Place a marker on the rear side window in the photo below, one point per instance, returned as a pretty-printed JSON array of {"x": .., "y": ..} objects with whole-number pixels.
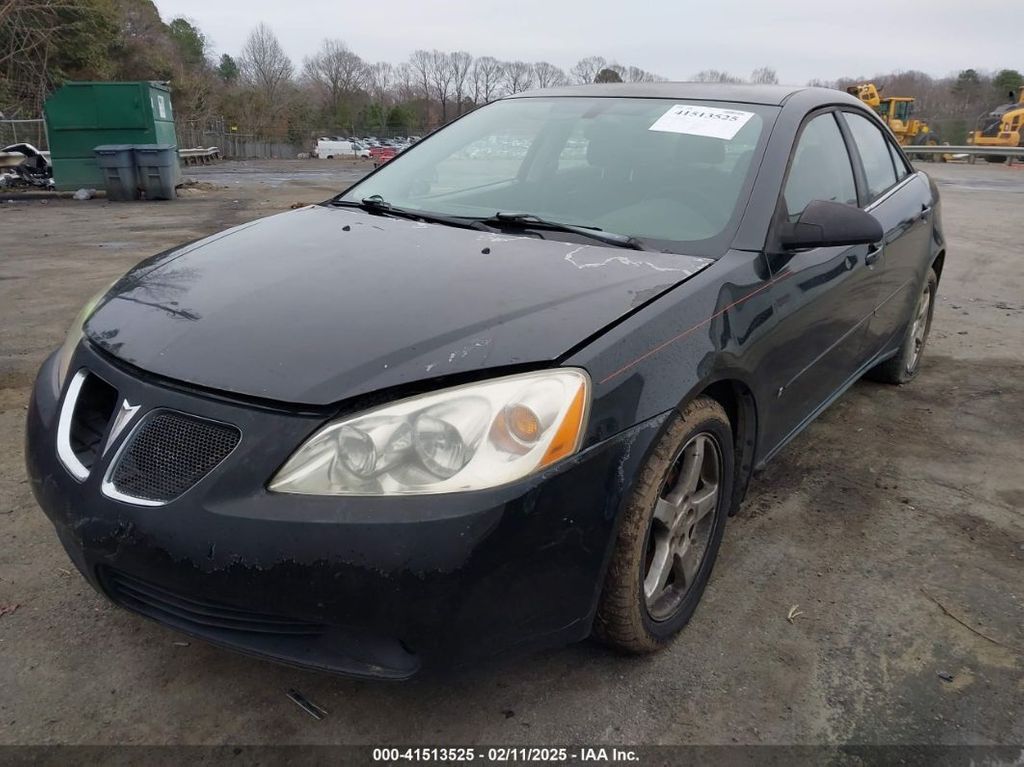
[
  {"x": 874, "y": 154},
  {"x": 902, "y": 171},
  {"x": 820, "y": 169}
]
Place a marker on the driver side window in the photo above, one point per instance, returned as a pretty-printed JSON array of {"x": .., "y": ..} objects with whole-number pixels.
[{"x": 820, "y": 168}]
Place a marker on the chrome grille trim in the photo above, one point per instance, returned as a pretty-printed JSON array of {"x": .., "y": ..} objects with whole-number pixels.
[
  {"x": 67, "y": 411},
  {"x": 109, "y": 487}
]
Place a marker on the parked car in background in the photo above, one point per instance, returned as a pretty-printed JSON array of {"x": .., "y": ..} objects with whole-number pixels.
[
  {"x": 382, "y": 154},
  {"x": 502, "y": 393}
]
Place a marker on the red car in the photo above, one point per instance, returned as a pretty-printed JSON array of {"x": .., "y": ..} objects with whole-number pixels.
[{"x": 381, "y": 154}]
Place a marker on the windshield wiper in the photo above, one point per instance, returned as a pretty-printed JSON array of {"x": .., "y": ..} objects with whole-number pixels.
[
  {"x": 377, "y": 204},
  {"x": 531, "y": 221}
]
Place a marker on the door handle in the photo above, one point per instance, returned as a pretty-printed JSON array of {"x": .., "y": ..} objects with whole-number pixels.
[
  {"x": 874, "y": 253},
  {"x": 921, "y": 215}
]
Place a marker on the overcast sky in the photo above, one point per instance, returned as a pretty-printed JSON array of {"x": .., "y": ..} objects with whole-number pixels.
[{"x": 801, "y": 39}]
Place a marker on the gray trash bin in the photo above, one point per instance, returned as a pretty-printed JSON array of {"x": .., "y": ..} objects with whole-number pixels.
[
  {"x": 117, "y": 163},
  {"x": 158, "y": 170}
]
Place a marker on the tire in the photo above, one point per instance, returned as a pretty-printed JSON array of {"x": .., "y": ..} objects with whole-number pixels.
[
  {"x": 928, "y": 139},
  {"x": 904, "y": 366},
  {"x": 995, "y": 158},
  {"x": 669, "y": 518}
]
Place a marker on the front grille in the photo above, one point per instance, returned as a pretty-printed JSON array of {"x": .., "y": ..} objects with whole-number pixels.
[
  {"x": 168, "y": 453},
  {"x": 195, "y": 615},
  {"x": 93, "y": 410}
]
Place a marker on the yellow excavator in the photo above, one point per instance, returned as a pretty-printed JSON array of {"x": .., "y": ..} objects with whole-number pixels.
[
  {"x": 1003, "y": 126},
  {"x": 897, "y": 112}
]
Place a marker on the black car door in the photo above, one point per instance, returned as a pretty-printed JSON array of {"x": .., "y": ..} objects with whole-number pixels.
[
  {"x": 822, "y": 298},
  {"x": 901, "y": 201}
]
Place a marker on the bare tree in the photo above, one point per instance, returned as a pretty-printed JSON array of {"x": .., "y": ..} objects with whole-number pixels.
[
  {"x": 460, "y": 63},
  {"x": 405, "y": 83},
  {"x": 714, "y": 76},
  {"x": 420, "y": 64},
  {"x": 379, "y": 77},
  {"x": 548, "y": 75},
  {"x": 336, "y": 73},
  {"x": 638, "y": 75},
  {"x": 441, "y": 76},
  {"x": 267, "y": 72},
  {"x": 518, "y": 76},
  {"x": 486, "y": 76},
  {"x": 585, "y": 70},
  {"x": 264, "y": 64},
  {"x": 764, "y": 76}
]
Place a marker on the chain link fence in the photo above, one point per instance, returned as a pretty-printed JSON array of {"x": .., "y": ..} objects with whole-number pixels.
[
  {"x": 241, "y": 144},
  {"x": 24, "y": 131},
  {"x": 233, "y": 144}
]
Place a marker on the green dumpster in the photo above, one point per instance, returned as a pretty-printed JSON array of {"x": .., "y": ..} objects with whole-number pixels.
[{"x": 83, "y": 115}]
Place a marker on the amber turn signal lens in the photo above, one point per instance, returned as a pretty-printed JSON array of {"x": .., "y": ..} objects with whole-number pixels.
[
  {"x": 523, "y": 423},
  {"x": 569, "y": 432}
]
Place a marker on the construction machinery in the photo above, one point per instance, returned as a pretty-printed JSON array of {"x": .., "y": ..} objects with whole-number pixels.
[
  {"x": 897, "y": 112},
  {"x": 1003, "y": 126}
]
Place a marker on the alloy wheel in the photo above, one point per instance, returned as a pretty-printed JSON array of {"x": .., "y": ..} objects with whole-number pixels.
[
  {"x": 683, "y": 523},
  {"x": 919, "y": 329}
]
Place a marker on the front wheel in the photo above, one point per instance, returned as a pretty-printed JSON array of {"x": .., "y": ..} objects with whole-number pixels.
[
  {"x": 927, "y": 139},
  {"x": 904, "y": 366},
  {"x": 670, "y": 533}
]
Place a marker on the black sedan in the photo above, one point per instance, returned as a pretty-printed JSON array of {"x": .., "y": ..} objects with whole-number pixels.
[{"x": 502, "y": 393}]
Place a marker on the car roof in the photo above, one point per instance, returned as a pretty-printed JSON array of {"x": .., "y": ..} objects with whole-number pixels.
[{"x": 771, "y": 95}]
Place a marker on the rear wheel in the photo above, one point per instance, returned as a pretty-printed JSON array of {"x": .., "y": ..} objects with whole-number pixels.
[
  {"x": 671, "y": 532},
  {"x": 904, "y": 366}
]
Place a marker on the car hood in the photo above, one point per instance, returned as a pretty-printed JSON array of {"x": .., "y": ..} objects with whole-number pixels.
[{"x": 319, "y": 304}]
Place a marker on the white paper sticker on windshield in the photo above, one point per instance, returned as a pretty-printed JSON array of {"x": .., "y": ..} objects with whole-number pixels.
[{"x": 702, "y": 121}]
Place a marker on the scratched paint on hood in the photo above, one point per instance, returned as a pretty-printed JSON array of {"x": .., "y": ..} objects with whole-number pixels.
[{"x": 319, "y": 304}]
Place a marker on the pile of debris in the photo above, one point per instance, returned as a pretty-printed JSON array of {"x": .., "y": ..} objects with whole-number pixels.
[{"x": 22, "y": 165}]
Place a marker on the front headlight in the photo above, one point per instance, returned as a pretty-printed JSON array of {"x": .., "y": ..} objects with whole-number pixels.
[
  {"x": 465, "y": 438},
  {"x": 74, "y": 336}
]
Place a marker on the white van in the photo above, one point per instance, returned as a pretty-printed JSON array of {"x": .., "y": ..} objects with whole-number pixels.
[{"x": 329, "y": 148}]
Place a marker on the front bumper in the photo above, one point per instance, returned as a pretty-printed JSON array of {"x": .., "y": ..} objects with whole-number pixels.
[{"x": 372, "y": 587}]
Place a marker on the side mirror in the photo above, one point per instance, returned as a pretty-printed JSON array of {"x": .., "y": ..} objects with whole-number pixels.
[{"x": 824, "y": 223}]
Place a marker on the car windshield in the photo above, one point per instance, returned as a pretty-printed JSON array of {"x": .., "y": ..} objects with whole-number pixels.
[{"x": 672, "y": 173}]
